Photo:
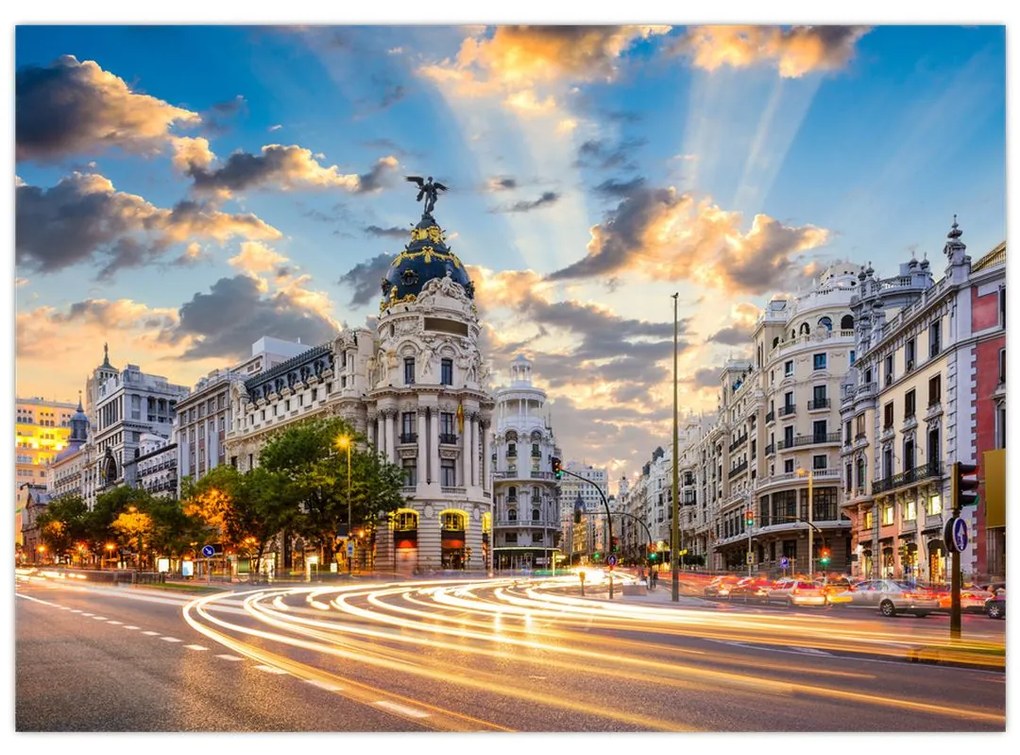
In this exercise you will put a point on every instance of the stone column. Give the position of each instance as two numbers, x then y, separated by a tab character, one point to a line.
434	446
391	436
465	454
422	457
372	430
483	470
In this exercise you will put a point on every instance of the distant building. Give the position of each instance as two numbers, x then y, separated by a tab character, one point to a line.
526	496
41	431
155	468
589	537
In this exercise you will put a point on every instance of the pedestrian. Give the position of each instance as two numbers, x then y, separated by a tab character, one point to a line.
655	579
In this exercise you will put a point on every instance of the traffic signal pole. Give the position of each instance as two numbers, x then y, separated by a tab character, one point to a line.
674	541
963	489
557	469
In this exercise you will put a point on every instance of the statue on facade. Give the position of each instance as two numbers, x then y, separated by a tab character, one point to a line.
428	190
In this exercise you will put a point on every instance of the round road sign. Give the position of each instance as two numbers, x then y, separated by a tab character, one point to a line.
955	535
611	560
208	551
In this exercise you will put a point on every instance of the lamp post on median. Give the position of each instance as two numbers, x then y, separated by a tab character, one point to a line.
674	544
810	519
345	442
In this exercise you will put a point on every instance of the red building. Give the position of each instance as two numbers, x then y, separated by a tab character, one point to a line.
988	329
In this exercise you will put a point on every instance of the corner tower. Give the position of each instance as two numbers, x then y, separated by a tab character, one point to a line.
429	408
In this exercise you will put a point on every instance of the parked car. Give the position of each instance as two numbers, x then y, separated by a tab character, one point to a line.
995	607
891	597
720	587
750	588
795	591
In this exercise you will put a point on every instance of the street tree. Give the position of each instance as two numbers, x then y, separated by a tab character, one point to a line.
64	524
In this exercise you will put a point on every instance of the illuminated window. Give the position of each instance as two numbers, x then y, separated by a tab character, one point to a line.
909	510
935	505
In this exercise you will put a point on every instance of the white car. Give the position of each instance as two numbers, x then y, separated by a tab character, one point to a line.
794	591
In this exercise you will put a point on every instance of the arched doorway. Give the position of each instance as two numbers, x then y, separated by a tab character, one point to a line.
405	541
486	540
454	553
936	562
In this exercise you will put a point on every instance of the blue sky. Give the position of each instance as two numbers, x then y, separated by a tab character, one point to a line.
593	172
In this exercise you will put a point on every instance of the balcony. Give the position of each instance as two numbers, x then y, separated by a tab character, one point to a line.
917	474
821	403
770	416
786	411
408	437
770	449
742	466
867	390
448	438
511	453
452	490
809	440
738	443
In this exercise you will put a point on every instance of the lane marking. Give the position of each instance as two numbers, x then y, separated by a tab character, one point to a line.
271	669
117	623
75	610
810	651
99	618
86	614
150	633
169	639
130	626
328	686
229	657
401	709
196	647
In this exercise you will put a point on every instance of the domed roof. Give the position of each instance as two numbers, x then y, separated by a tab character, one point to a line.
426	257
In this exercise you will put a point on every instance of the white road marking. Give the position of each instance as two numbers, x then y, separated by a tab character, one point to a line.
130	626
75	610
196	647
169	639
99	618
811	651
118	623
86	614
271	669
150	633
401	709
328	686
230	657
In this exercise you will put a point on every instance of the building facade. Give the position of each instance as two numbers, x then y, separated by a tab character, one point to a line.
589	535
414	384
41	431
155	468
526	526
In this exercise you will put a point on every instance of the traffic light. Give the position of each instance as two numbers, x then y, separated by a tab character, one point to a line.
557	470
616	544
596	556
965	484
749	518
653	556
824	556
577	514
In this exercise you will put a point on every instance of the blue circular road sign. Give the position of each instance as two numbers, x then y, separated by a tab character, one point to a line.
208	551
611	560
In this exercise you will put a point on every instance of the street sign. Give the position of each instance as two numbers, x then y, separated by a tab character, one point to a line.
208	551
350	547
784	562
611	560
750	558
955	535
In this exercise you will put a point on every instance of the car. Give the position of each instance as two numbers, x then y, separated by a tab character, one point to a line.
720	587
750	588
892	597
995	607
972	597
797	591
837	589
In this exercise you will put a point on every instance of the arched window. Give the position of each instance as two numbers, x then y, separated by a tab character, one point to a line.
511	514
775	342
847	322
511	493
825	322
453	520
805	329
535	515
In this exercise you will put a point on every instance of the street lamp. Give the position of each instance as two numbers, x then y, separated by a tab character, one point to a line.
42	552
109	551
345	442
810	519
674	542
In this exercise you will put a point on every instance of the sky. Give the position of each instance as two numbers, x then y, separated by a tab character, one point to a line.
181	191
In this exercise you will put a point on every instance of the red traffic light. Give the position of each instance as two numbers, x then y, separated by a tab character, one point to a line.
965	484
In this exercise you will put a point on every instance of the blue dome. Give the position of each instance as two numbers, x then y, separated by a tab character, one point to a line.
425	258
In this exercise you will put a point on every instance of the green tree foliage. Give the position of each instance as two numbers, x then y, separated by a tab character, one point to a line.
64	524
312	471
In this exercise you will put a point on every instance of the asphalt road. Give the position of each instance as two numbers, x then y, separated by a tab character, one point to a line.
445	656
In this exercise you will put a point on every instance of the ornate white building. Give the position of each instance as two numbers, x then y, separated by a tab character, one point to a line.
527	507
414	384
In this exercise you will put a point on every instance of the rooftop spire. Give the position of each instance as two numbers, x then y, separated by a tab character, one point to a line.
106	355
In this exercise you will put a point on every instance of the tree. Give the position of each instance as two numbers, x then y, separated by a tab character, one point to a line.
134	529
64	524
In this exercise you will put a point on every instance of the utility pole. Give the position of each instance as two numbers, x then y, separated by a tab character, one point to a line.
674	542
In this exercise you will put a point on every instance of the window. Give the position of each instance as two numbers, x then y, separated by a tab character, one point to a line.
819	361
1002	307
869	519
846	322
448	473
888	369
853	357
407	422
888	416
887	462
1002	366
788	398
788	466
825	322
935	505
935	390
453	520
847	432
446	372
511	515
820	399
820	461
909	510
408	370
860	472
536	515
935	338
410	472
860	426
788	368
821	430
788	436
887	514
909	404
511	493
536	537
848	476
911	353
908	454
1000	425
511	538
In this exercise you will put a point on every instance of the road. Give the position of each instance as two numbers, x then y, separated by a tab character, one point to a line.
477	656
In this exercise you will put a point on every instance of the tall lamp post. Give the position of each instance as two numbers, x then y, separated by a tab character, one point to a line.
810	519
674	546
345	442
